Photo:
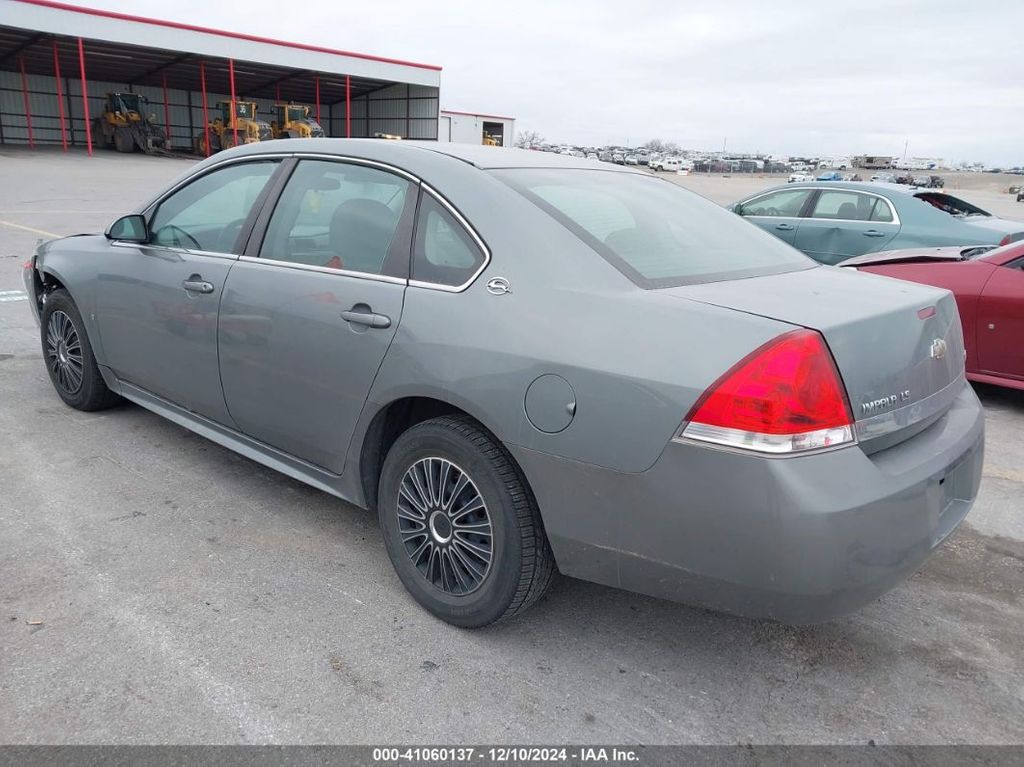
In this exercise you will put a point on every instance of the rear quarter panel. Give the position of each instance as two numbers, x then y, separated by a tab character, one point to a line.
636	360
926	226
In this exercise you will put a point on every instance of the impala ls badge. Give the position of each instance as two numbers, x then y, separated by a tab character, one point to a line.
882	403
938	349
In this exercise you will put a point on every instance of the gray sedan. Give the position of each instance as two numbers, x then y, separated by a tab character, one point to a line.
526	364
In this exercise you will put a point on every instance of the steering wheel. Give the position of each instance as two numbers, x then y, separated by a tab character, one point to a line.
772	212
179	234
228	235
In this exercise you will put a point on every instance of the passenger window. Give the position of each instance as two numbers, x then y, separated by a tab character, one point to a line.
338	215
208	214
847	206
881	211
444	253
787	203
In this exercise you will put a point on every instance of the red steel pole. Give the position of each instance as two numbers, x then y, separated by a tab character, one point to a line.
318	98
24	95
348	106
206	113
60	97
167	116
231	75
85	95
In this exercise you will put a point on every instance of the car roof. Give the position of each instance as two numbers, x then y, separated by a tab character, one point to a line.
389	150
863	186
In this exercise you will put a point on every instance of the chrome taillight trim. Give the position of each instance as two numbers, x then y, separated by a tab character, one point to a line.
769	444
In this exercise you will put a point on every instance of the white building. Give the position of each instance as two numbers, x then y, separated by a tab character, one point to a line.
473	128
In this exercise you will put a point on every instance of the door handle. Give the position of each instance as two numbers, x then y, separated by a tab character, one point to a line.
785	227
196	284
360	314
873	233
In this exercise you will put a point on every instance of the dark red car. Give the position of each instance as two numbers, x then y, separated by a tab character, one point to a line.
989	287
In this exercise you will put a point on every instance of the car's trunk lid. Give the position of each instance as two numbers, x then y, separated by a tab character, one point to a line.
898	346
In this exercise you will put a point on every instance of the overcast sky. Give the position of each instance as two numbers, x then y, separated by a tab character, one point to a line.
777	76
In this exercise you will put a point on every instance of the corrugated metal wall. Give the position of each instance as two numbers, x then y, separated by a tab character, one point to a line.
403	110
409	111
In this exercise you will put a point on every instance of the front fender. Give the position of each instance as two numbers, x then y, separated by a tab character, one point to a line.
65	262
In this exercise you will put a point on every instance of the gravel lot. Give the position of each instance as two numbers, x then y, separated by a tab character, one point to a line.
189	595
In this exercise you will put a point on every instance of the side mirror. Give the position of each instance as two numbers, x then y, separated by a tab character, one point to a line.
737	209
129	229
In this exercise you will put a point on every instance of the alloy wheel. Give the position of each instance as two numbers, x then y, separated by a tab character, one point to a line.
445	526
64	352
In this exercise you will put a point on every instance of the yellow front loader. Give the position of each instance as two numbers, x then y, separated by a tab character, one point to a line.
224	127
125	125
293	121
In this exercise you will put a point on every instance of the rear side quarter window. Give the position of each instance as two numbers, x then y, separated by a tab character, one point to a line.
444	251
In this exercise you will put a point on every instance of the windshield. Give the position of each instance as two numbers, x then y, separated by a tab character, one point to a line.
976	252
129	102
653	231
296	113
954	206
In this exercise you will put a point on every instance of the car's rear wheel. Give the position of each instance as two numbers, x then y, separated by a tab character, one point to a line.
69	358
460	524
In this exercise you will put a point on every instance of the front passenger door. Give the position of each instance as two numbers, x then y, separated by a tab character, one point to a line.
157	302
307	318
777	212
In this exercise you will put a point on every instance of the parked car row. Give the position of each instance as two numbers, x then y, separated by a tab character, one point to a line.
928	182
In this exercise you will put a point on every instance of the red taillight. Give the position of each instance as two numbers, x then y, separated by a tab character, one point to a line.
784	397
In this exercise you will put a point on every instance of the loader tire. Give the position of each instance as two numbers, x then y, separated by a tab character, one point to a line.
123	141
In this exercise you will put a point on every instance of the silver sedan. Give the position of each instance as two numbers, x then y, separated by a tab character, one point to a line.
526	364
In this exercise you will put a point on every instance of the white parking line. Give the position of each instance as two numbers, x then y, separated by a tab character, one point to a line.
28	229
13	295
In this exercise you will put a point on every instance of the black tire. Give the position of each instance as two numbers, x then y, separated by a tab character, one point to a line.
85	390
521	567
123	141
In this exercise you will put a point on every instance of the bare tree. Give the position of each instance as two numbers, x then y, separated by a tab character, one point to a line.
662	147
528	138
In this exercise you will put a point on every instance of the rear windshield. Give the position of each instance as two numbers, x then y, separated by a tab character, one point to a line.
954	206
653	231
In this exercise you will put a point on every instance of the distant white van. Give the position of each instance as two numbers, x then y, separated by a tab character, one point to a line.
667	164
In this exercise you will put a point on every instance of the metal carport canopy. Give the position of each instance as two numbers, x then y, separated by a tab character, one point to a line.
142	51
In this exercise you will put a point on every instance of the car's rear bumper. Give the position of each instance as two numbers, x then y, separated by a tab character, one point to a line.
799	540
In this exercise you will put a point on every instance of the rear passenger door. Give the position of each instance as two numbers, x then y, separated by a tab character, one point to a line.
844	223
311	307
776	212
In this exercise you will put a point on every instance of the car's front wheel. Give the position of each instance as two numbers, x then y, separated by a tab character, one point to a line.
69	358
460	524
